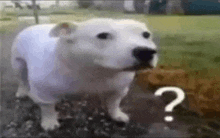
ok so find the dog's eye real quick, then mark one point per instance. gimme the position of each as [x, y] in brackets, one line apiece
[103, 35]
[146, 35]
[69, 41]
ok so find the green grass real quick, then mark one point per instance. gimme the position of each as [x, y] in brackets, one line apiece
[11, 14]
[188, 42]
[8, 26]
[5, 19]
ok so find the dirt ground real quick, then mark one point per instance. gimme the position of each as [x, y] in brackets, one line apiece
[141, 104]
[203, 93]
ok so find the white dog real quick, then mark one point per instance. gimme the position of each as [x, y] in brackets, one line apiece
[95, 56]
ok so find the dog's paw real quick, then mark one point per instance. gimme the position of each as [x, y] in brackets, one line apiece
[50, 124]
[120, 117]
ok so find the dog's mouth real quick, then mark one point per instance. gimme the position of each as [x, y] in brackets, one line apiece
[138, 67]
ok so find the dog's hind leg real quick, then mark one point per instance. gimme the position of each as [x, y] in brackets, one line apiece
[19, 66]
[22, 76]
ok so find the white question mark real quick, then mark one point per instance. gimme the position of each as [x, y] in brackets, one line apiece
[169, 108]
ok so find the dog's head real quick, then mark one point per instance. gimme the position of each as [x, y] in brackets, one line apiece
[112, 44]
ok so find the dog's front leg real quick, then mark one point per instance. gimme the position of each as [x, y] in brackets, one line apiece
[49, 117]
[113, 103]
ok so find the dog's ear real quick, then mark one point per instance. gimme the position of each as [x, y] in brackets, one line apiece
[63, 29]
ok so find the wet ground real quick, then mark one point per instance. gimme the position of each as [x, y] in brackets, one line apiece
[83, 117]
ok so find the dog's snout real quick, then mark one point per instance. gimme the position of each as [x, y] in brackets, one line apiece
[143, 54]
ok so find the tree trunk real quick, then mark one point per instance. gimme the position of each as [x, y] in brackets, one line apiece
[35, 11]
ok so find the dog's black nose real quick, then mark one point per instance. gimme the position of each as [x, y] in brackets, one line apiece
[143, 54]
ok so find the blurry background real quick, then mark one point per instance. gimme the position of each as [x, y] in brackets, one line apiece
[188, 7]
[188, 32]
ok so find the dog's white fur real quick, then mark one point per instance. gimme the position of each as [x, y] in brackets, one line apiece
[69, 58]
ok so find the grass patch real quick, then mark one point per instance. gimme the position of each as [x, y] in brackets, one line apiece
[216, 59]
[8, 26]
[5, 19]
[190, 41]
[11, 14]
[62, 12]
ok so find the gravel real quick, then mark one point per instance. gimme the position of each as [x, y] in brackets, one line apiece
[81, 119]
